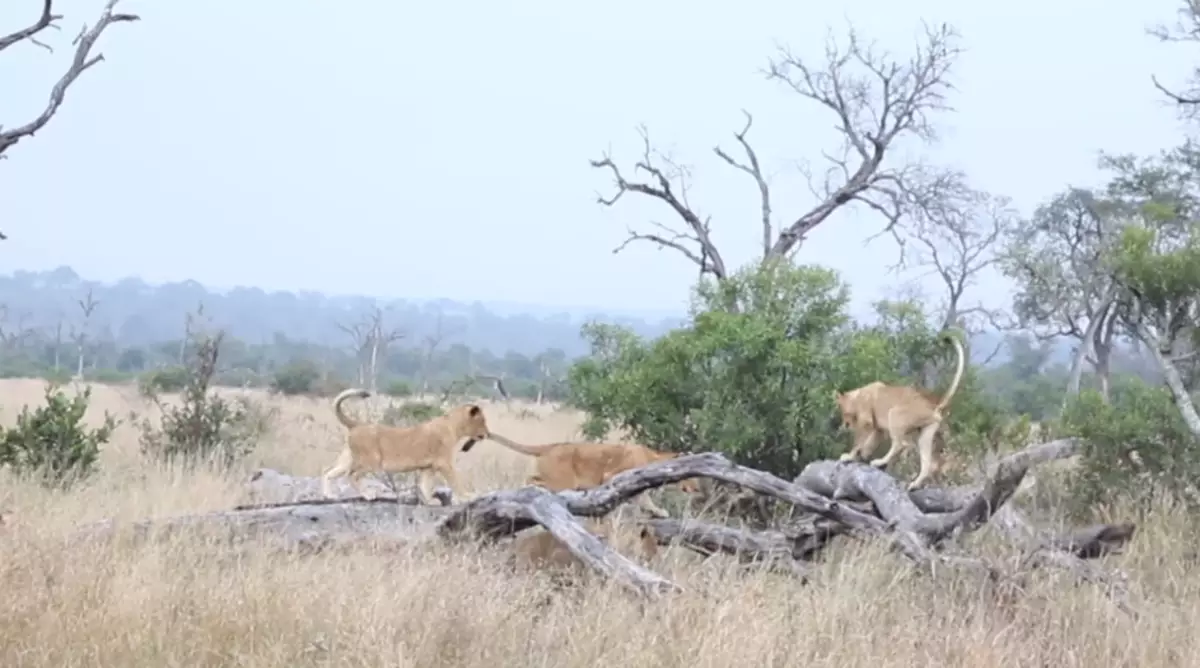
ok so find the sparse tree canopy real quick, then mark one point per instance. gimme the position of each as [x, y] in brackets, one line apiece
[877, 100]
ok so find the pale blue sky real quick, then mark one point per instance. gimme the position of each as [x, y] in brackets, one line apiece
[441, 149]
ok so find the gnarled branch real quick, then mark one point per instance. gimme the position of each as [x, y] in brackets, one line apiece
[81, 61]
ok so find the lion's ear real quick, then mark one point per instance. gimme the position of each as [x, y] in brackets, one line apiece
[474, 410]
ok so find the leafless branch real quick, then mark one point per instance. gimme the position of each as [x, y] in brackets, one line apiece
[82, 61]
[695, 244]
[878, 101]
[1185, 29]
[752, 167]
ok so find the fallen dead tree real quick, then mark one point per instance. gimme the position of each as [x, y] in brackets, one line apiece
[834, 498]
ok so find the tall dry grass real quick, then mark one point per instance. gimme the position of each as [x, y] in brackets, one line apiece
[192, 603]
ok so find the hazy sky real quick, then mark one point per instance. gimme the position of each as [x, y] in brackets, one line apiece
[441, 149]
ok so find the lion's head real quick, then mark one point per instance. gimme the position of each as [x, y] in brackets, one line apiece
[469, 422]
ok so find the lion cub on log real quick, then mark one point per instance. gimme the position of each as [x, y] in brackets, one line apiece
[877, 407]
[428, 447]
[540, 549]
[568, 465]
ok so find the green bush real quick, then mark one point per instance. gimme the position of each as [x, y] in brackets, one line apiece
[162, 380]
[204, 426]
[399, 389]
[52, 442]
[409, 413]
[754, 373]
[296, 378]
[1137, 446]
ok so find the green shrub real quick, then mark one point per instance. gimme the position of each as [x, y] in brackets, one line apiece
[204, 426]
[1137, 446]
[398, 389]
[162, 380]
[296, 378]
[52, 442]
[410, 413]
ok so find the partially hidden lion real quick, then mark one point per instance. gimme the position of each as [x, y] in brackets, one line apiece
[428, 447]
[574, 465]
[898, 410]
[540, 549]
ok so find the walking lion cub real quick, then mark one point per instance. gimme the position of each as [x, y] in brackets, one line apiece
[570, 465]
[898, 410]
[428, 447]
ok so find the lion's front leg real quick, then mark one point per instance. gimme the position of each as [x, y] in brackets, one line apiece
[864, 445]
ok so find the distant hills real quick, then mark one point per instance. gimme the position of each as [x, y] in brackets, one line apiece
[131, 312]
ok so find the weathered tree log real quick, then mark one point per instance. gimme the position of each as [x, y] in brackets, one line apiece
[1067, 551]
[856, 481]
[769, 547]
[270, 487]
[535, 505]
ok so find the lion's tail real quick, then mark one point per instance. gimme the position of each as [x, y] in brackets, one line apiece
[531, 450]
[347, 421]
[958, 372]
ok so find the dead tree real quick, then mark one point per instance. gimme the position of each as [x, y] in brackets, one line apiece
[877, 100]
[370, 342]
[1186, 29]
[82, 60]
[14, 332]
[80, 333]
[431, 342]
[832, 498]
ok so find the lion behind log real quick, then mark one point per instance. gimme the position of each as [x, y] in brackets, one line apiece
[898, 410]
[562, 466]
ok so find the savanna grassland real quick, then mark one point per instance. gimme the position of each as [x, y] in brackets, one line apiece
[190, 603]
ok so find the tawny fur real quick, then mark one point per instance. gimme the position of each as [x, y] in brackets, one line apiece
[428, 447]
[573, 465]
[877, 408]
[540, 549]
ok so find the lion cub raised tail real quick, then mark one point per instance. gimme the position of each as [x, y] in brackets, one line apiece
[428, 447]
[898, 410]
[574, 465]
[540, 549]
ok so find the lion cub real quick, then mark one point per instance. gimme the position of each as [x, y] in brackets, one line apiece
[540, 549]
[428, 447]
[878, 407]
[563, 466]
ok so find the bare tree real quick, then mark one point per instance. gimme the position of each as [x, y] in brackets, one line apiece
[432, 341]
[14, 331]
[82, 60]
[957, 236]
[79, 334]
[370, 339]
[58, 340]
[878, 102]
[1186, 29]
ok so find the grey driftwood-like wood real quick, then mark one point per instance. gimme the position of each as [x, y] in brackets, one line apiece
[774, 548]
[268, 486]
[1068, 550]
[834, 498]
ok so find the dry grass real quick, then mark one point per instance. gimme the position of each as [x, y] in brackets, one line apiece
[194, 604]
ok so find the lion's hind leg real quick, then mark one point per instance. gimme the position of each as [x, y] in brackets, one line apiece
[897, 434]
[343, 466]
[930, 460]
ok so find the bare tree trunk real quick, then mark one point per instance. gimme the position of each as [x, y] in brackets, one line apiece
[1183, 400]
